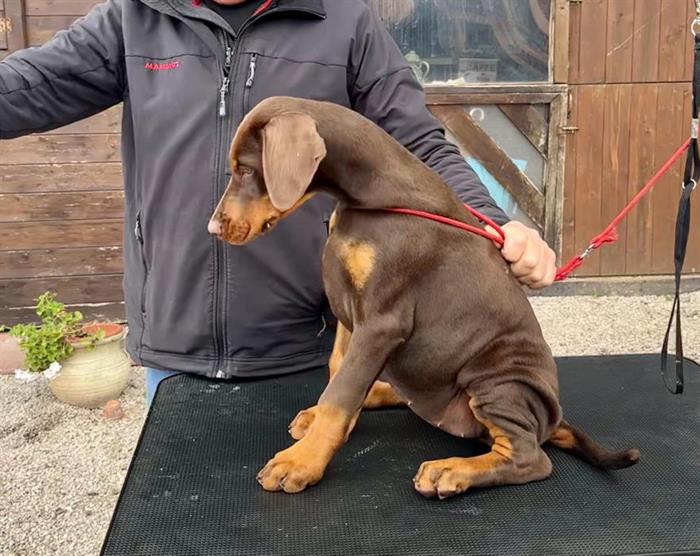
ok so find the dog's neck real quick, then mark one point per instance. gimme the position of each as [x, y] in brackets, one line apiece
[365, 168]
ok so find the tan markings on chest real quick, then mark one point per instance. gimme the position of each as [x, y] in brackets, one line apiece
[358, 259]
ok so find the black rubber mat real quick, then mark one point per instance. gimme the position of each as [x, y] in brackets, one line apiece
[191, 488]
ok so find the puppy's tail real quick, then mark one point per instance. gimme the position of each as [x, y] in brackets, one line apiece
[583, 446]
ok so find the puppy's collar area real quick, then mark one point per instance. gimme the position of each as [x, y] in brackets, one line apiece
[499, 238]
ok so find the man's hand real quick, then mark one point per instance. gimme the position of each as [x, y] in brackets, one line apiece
[531, 259]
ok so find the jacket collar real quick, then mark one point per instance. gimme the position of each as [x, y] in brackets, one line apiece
[196, 17]
[313, 7]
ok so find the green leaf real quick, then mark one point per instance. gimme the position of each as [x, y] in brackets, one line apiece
[48, 342]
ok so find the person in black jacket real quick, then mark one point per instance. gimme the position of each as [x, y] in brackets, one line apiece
[187, 71]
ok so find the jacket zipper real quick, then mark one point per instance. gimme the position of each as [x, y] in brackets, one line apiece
[219, 293]
[219, 254]
[226, 81]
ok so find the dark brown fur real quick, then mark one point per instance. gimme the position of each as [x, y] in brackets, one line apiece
[433, 310]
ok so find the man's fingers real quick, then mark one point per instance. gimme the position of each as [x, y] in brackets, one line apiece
[544, 275]
[530, 261]
[515, 245]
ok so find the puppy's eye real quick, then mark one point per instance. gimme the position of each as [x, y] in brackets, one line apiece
[268, 224]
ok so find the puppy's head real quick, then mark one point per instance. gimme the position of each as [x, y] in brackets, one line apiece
[272, 167]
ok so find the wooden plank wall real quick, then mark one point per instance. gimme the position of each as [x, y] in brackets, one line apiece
[61, 202]
[630, 72]
[45, 17]
[12, 32]
[4, 24]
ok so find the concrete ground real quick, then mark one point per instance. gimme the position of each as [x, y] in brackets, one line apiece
[62, 467]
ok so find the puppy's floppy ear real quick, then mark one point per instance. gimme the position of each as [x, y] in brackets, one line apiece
[292, 149]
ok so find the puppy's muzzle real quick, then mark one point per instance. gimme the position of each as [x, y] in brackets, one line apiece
[232, 232]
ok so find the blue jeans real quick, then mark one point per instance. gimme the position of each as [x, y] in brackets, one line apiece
[153, 378]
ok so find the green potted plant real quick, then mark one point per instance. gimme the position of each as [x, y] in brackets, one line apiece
[85, 365]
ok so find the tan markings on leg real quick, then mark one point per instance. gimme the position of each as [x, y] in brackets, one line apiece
[451, 476]
[498, 440]
[301, 423]
[358, 259]
[340, 346]
[382, 394]
[333, 219]
[304, 463]
[563, 438]
[515, 458]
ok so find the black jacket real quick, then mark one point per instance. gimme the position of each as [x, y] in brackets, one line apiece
[193, 303]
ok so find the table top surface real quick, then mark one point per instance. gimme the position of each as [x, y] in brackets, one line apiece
[191, 486]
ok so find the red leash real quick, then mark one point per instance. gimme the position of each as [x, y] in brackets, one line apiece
[608, 235]
[500, 238]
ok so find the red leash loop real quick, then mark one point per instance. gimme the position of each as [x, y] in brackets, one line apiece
[608, 235]
[500, 238]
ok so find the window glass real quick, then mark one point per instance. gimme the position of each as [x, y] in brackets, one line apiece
[511, 140]
[499, 193]
[461, 42]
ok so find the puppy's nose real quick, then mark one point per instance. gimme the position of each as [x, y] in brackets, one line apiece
[215, 227]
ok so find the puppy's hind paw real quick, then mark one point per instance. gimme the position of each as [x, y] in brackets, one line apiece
[441, 479]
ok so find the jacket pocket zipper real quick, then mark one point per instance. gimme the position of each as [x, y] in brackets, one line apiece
[251, 71]
[138, 232]
[249, 83]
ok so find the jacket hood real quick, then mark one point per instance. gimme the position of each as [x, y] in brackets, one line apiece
[186, 7]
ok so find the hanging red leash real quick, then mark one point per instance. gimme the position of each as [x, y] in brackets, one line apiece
[608, 235]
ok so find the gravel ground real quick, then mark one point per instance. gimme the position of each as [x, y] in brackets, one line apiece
[62, 467]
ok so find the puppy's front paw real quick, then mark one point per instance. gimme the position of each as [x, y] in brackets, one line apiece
[287, 472]
[442, 478]
[302, 422]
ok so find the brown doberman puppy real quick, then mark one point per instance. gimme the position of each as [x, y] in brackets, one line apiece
[431, 309]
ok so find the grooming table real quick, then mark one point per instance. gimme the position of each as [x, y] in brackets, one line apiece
[191, 487]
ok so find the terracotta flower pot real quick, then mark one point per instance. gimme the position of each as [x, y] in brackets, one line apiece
[92, 377]
[11, 356]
